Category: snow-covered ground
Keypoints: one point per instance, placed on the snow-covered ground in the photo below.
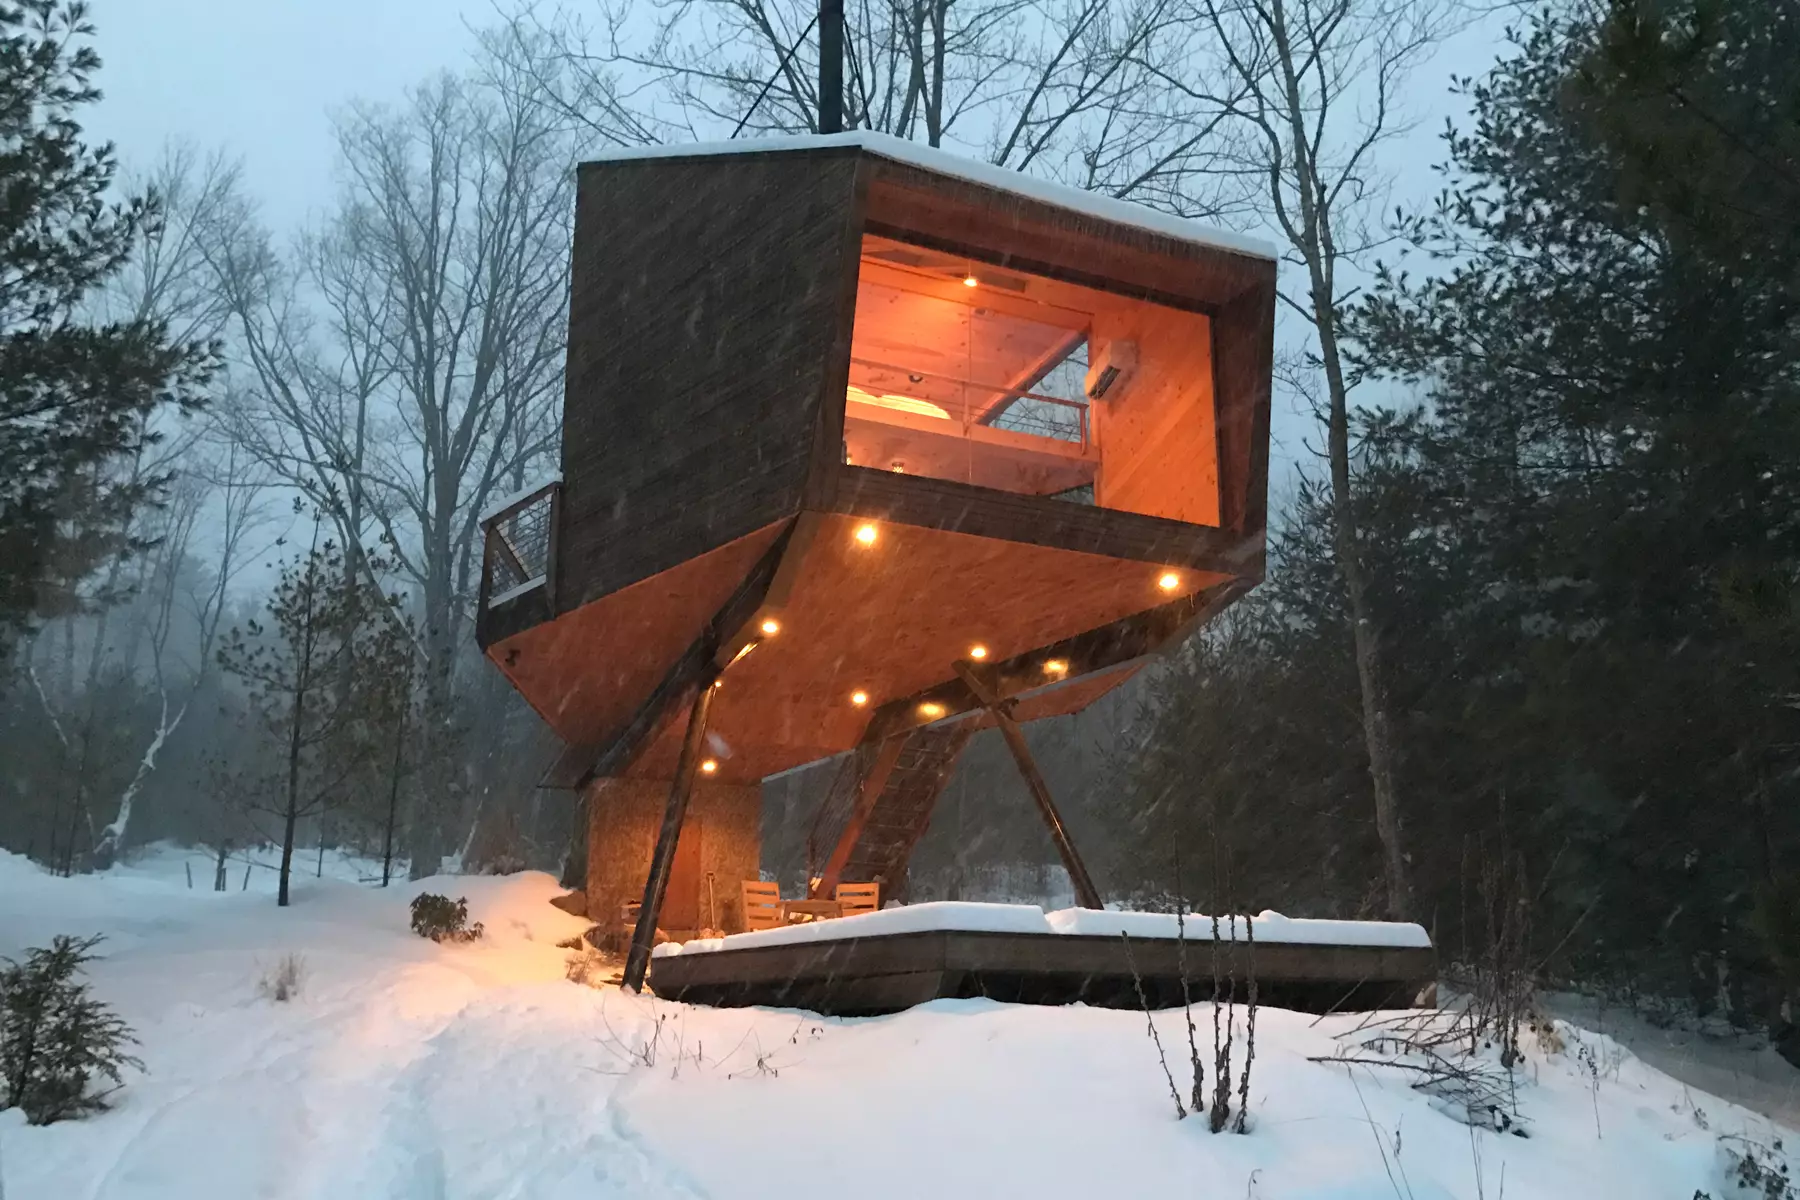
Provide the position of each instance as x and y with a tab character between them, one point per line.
413	1071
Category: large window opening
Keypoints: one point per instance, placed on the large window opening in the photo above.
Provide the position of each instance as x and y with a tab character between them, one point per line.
1029	385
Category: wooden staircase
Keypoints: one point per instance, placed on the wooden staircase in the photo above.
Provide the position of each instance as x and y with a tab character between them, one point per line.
880	805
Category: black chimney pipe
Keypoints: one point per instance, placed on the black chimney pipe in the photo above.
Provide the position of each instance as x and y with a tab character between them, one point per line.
831	66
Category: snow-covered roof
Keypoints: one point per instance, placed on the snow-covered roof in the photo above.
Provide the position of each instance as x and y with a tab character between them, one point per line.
943	162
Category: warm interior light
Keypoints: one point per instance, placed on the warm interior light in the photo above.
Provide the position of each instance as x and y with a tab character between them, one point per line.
859	698
969	280
899	468
897	403
931	709
718	683
977	651
866	534
1169	581
709	766
770	626
1056	667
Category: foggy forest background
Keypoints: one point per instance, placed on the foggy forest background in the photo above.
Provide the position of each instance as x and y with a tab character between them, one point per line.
1524	665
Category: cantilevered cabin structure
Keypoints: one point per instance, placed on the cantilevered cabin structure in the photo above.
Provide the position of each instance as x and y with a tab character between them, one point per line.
865	446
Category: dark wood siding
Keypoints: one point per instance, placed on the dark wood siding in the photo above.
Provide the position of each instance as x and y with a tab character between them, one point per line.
708	297
1243	362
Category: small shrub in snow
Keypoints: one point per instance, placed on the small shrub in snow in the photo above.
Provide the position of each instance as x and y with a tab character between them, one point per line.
283	981
442	919
590	968
1753	1171
56	1040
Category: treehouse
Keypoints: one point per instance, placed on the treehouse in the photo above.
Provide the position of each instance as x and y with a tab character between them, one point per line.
865	447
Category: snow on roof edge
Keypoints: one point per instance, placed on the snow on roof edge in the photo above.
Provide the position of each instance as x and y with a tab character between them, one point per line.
494	508
1108	208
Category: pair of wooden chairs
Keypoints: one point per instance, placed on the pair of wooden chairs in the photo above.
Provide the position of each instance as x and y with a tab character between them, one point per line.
762	902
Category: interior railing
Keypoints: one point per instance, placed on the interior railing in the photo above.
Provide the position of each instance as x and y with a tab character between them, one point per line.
976	403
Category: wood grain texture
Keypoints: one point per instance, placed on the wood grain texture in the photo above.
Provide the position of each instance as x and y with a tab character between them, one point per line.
708	306
1041	521
889	619
1027	235
587	671
1243	358
1158	449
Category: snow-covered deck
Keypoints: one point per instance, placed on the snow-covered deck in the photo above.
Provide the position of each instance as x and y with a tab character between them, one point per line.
890	960
1269	928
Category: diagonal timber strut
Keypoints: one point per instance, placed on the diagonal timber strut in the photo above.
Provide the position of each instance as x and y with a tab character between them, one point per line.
1086	894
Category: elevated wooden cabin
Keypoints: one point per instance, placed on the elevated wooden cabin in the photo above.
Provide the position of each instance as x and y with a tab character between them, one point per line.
843	413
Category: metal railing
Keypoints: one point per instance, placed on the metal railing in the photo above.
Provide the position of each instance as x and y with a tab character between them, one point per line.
1015	409
519	547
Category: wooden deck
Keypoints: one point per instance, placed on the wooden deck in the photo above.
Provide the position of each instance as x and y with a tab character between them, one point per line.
885	973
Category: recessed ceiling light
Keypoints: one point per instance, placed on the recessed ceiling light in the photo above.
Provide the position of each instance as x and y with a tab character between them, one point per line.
977	651
969	280
866	534
709	766
770	626
1169	581
859	698
931	709
1057	667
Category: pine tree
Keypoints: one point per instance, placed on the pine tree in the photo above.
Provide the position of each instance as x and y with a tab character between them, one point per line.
1586	537
55	1039
75	399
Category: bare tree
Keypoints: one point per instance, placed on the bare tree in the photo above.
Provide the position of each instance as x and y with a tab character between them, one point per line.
323	735
461	202
305	353
167	278
1313	90
1069	89
229	492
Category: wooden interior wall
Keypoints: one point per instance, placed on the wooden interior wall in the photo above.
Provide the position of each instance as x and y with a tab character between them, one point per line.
721	838
710	302
1032	236
1158	447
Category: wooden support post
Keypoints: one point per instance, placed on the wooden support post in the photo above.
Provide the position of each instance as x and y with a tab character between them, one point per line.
869	790
643	936
1086	895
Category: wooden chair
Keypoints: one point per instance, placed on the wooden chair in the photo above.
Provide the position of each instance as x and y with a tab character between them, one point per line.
762	905
856	898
